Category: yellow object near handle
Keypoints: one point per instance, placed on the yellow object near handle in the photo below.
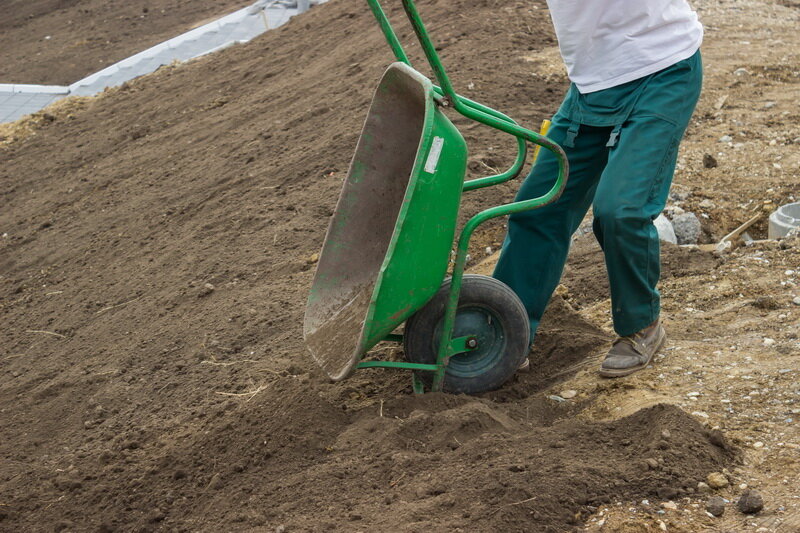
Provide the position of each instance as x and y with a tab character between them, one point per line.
545	128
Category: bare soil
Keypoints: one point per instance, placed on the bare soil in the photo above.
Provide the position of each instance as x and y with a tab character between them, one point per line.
58	42
158	244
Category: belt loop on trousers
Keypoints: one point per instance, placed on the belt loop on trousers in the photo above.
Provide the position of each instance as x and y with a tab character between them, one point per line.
572	132
612	139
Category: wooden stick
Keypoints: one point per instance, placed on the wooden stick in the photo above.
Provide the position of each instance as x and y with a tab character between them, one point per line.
103	310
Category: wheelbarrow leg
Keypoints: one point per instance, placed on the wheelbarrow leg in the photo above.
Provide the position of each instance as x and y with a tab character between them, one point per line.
446	344
417	384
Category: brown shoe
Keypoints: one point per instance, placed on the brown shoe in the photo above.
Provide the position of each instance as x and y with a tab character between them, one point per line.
634	352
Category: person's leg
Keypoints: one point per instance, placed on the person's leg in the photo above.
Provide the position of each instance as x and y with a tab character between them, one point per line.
536	245
632	192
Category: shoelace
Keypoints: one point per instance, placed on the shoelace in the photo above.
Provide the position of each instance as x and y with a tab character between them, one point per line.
630	339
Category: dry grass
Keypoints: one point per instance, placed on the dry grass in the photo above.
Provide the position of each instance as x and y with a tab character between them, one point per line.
27	126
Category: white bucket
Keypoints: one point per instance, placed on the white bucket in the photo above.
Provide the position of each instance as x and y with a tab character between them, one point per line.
784	220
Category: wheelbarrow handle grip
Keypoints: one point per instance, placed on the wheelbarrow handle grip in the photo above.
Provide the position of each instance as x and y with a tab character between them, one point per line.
401	56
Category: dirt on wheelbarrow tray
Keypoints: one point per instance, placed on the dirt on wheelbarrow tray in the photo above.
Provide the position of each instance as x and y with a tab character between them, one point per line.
158	243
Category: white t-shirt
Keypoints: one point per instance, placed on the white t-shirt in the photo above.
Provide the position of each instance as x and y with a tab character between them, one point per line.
606	43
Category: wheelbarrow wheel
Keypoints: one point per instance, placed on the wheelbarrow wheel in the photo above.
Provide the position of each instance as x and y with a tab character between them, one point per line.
487	309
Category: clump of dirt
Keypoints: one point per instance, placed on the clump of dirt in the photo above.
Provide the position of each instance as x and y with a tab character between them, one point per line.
156	253
58	42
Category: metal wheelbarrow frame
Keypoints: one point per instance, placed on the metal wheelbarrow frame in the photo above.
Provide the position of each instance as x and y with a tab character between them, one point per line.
401	198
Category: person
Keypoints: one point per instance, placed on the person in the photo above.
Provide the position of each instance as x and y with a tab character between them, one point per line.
636	74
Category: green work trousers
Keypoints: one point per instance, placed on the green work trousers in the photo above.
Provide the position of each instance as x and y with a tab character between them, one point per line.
622	146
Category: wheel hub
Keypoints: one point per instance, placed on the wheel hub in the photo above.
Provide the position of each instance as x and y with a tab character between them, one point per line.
487	343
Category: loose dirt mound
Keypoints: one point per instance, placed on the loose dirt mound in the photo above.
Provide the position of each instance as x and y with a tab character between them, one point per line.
155	261
61	41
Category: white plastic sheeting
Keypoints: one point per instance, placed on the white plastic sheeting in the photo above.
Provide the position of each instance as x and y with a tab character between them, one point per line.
237	27
17	101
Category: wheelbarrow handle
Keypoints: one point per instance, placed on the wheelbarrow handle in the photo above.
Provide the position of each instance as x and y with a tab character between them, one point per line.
482	116
400	55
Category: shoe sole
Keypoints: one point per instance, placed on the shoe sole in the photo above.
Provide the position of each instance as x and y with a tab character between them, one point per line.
618	373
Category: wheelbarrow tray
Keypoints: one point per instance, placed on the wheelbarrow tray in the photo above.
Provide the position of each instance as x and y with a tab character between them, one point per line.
388	244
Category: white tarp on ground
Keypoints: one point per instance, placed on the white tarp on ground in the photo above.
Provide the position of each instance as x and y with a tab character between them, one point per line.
240	26
16	101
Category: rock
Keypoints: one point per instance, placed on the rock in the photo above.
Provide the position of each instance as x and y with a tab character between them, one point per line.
769	342
750	502
665	231
205	290
313	259
716	438
569	394
709	161
741	71
767	303
717	480
215	483
687	228
678	196
672	506
672	211
703	488
796	300
665	434
707	204
715	505
725	139
667	493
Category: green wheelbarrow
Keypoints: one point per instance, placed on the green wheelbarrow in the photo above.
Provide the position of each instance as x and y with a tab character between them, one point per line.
385	258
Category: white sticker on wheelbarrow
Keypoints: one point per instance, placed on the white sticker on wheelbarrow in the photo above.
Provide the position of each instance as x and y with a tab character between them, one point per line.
434	155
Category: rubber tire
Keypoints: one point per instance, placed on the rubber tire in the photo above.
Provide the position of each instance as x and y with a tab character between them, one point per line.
498	358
